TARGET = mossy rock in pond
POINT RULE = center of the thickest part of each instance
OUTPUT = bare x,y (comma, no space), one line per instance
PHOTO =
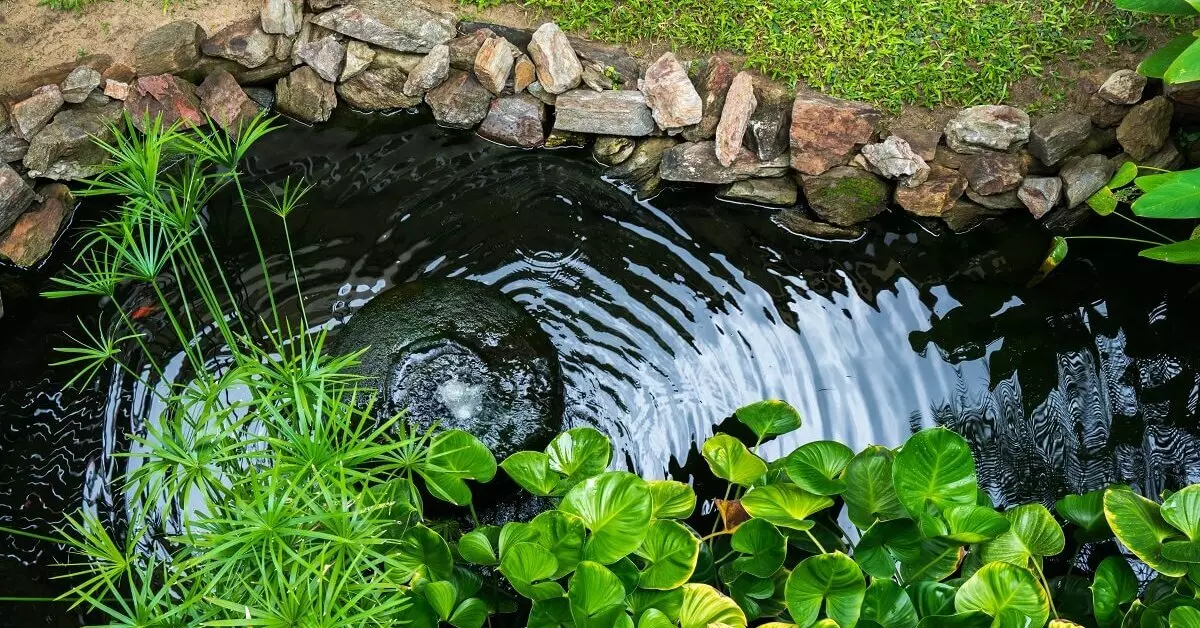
845,196
460,354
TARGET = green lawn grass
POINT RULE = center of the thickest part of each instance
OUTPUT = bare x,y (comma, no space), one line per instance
888,52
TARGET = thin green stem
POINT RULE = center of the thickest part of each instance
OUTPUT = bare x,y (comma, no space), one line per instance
815,541
1115,239
287,235
262,256
1147,228
1037,569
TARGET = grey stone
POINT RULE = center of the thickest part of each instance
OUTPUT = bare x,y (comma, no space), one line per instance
283,47
1104,114
494,63
1000,201
825,131
460,101
641,169
358,58
167,97
612,150
965,215
244,42
936,196
594,76
618,112
225,102
377,89
34,233
735,118
405,61
263,97
430,72
844,195
771,122
988,127
1098,141
66,149
326,55
282,17
32,114
712,84
893,158
615,60
1169,158
12,148
774,192
536,90
797,222
696,162
1040,194
465,48
16,197
1123,87
516,120
399,26
1084,176
1146,127
79,84
306,96
558,68
267,73
670,94
1057,136
923,142
994,173
169,49
324,5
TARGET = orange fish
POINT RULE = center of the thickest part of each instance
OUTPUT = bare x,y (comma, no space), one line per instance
142,311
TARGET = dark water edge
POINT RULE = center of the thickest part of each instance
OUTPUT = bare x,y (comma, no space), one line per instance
667,315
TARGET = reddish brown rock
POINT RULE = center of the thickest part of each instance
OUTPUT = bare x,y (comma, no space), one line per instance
223,100
735,118
116,89
245,42
119,72
994,173
15,196
936,196
34,233
670,93
826,131
517,120
460,101
31,115
465,48
170,97
494,63
712,85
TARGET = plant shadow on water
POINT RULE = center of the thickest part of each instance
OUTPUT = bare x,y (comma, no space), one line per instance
667,316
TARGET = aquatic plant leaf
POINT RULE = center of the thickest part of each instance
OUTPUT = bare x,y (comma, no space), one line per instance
551,613
672,500
1033,533
1114,585
526,565
730,460
1153,181
733,514
1086,512
870,494
441,596
935,559
768,419
1171,195
654,618
670,552
762,546
531,470
1185,252
1009,594
1103,202
1185,68
481,546
579,454
886,604
704,606
471,613
784,505
627,572
1157,7
596,595
1123,176
455,456
423,549
1182,510
1138,523
668,603
934,471
971,619
886,542
615,507
563,535
817,466
1185,617
515,532
830,580
975,524
931,598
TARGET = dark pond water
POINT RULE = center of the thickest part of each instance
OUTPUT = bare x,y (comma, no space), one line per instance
667,316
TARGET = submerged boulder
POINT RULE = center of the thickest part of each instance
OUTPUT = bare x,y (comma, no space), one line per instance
845,195
463,355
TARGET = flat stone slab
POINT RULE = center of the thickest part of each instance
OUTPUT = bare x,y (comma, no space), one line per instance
615,112
696,162
401,26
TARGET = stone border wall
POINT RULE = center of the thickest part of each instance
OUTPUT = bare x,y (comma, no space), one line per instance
703,122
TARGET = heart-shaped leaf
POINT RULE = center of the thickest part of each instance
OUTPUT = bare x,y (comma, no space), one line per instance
1185,252
551,613
870,494
481,546
704,606
1103,202
563,536
762,546
526,566
422,548
935,559
1173,195
768,419
1185,617
886,604
1087,513
974,524
972,619
471,613
730,460
931,598
655,618
455,456
1157,7
886,542
596,595
1156,65
817,466
1123,176
1010,595
1033,533
1138,524
1113,586
784,505
1182,510
672,500
579,454
442,596
1185,68
830,580
668,603
934,470
1054,256
670,552
531,470
615,507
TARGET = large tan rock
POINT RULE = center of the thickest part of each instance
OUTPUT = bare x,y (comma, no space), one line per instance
494,63
169,49
735,118
671,95
936,196
826,131
558,67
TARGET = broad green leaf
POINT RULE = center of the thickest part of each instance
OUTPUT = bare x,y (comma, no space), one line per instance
1055,256
563,536
672,500
666,602
931,598
762,546
1182,551
551,613
784,505
1185,68
870,494
1007,593
971,619
655,618
1182,510
1154,181
1185,617
1138,524
515,532
1156,65
885,543
1123,176
1157,7
1103,202
615,508
670,552
888,605
817,467
731,461
1087,513
596,595
1033,534
830,580
531,470
704,606
1173,195
471,613
579,454
934,470
455,456
1185,252
974,524
627,572
1114,585
526,565
481,546
422,548
768,419
935,559
441,596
